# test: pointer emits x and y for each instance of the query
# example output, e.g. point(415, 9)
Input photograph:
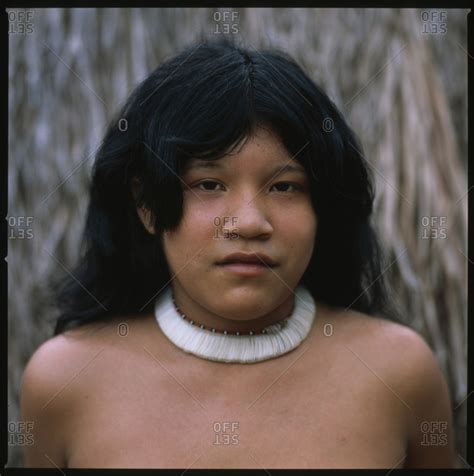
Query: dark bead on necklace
point(225, 332)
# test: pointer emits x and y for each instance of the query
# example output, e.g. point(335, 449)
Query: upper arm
point(431, 441)
point(43, 406)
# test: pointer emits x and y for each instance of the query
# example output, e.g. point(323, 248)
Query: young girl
point(229, 307)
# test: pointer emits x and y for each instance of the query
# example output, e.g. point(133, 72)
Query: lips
point(248, 258)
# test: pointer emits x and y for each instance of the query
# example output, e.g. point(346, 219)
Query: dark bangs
point(202, 103)
point(211, 97)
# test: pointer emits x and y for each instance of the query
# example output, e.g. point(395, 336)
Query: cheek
point(299, 232)
point(182, 245)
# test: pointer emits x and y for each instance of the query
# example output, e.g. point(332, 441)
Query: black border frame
point(4, 53)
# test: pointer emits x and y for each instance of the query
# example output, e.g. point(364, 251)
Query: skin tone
point(100, 399)
point(340, 400)
point(261, 193)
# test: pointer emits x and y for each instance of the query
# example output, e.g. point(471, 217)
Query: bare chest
point(284, 414)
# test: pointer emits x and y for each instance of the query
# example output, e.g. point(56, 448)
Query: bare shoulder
point(403, 361)
point(377, 337)
point(52, 360)
point(400, 351)
point(42, 379)
point(51, 364)
point(58, 374)
point(44, 403)
point(54, 350)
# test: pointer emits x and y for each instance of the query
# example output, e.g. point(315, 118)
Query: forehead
point(262, 150)
point(288, 165)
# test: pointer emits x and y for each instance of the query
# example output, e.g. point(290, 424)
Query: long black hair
point(202, 103)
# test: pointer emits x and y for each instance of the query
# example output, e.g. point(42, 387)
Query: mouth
point(243, 264)
point(255, 259)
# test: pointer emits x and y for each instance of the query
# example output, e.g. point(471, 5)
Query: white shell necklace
point(273, 341)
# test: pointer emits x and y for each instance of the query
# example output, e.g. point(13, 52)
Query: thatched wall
point(402, 89)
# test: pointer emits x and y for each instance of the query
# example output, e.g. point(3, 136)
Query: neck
point(276, 341)
point(200, 315)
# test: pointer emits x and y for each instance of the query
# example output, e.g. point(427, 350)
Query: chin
point(243, 305)
point(242, 313)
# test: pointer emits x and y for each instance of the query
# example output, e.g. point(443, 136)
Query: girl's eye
point(213, 186)
point(283, 187)
point(209, 185)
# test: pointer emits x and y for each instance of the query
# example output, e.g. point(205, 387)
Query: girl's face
point(256, 200)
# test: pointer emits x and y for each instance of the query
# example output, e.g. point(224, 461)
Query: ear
point(146, 218)
point(144, 213)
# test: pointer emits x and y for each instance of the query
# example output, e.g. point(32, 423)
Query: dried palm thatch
point(402, 90)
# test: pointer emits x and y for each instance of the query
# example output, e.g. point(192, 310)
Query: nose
point(248, 218)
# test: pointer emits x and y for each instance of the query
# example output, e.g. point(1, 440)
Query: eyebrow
point(216, 164)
